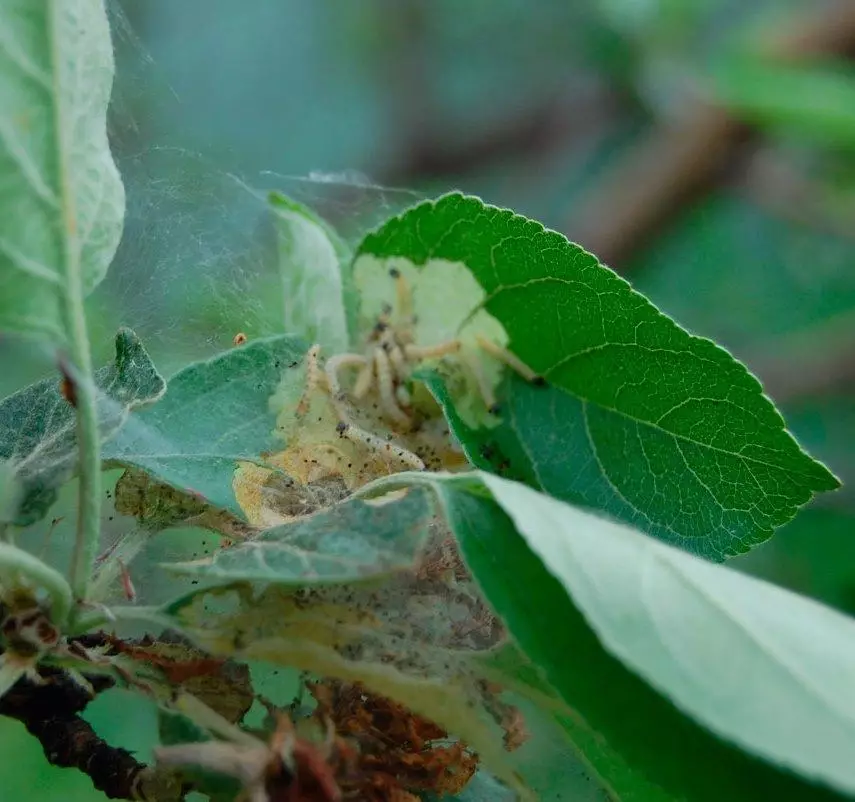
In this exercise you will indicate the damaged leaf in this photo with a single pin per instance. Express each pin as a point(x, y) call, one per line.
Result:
point(38, 437)
point(351, 541)
point(216, 415)
point(638, 418)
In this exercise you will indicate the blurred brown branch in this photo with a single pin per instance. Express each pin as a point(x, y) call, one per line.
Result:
point(790, 192)
point(533, 129)
point(679, 161)
point(536, 131)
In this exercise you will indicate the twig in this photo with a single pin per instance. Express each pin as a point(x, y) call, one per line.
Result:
point(679, 161)
point(773, 182)
point(49, 711)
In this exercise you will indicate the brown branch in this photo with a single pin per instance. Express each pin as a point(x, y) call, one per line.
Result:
point(787, 190)
point(50, 708)
point(679, 161)
point(50, 711)
point(536, 131)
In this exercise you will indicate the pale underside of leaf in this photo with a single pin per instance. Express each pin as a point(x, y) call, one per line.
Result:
point(62, 200)
point(762, 667)
point(309, 261)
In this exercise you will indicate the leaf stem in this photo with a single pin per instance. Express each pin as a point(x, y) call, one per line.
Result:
point(88, 533)
point(74, 318)
point(41, 575)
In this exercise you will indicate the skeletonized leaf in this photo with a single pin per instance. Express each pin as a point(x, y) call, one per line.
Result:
point(215, 415)
point(639, 418)
point(38, 436)
point(409, 634)
point(61, 198)
point(348, 542)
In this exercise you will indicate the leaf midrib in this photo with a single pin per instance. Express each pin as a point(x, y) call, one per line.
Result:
point(629, 416)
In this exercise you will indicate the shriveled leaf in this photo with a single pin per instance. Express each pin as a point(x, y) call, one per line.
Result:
point(348, 542)
point(398, 644)
point(409, 635)
point(768, 671)
point(215, 415)
point(310, 255)
point(38, 436)
point(639, 418)
point(61, 199)
point(158, 506)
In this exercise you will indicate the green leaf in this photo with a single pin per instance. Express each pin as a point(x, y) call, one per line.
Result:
point(660, 428)
point(764, 669)
point(310, 255)
point(815, 101)
point(510, 668)
point(215, 415)
point(38, 436)
point(348, 542)
point(62, 200)
point(548, 763)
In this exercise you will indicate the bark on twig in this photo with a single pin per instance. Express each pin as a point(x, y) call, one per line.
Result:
point(50, 711)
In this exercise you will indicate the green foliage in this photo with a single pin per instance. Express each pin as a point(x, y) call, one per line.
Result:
point(215, 415)
point(348, 542)
point(662, 429)
point(38, 438)
point(813, 101)
point(679, 623)
point(62, 201)
point(575, 654)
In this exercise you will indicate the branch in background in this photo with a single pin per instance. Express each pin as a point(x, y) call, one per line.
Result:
point(429, 151)
point(772, 181)
point(536, 132)
point(680, 161)
point(50, 709)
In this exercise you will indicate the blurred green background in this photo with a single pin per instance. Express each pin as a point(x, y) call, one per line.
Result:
point(704, 149)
